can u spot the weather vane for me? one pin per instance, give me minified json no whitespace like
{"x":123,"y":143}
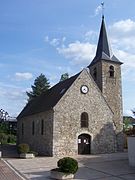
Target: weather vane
{"x":102,"y":4}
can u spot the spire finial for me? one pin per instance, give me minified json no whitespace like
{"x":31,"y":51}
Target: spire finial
{"x":102,"y":4}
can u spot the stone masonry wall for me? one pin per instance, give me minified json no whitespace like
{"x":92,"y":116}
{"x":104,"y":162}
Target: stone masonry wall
{"x":67,"y":113}
{"x":38,"y":142}
{"x":98,"y":80}
{"x":112,"y":91}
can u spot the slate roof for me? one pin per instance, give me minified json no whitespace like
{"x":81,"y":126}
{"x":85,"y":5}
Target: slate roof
{"x":47,"y":100}
{"x":103,"y":48}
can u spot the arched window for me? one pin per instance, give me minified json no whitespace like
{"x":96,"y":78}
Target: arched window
{"x":95,"y":73}
{"x":111,"y":71}
{"x":84,"y":120}
{"x":22,"y":129}
{"x":33,"y":128}
{"x":42,"y":127}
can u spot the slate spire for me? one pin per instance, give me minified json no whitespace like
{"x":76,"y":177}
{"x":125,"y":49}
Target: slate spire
{"x":103,"y":48}
{"x":103,"y":45}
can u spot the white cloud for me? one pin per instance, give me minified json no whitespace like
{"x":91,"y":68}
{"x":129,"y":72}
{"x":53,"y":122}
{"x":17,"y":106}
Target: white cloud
{"x":55,"y":42}
{"x":12,"y":93}
{"x":12,"y":99}
{"x":128,"y":113}
{"x":78,"y":53}
{"x":63,"y":39}
{"x":90,"y":36}
{"x":23,"y":76}
{"x":122,"y":34}
{"x":125,"y":26}
{"x":46,"y":39}
{"x":129,"y":64}
{"x":127,"y":58}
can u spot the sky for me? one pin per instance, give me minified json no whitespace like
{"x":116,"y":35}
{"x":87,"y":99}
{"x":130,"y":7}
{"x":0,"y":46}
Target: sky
{"x":58,"y":36}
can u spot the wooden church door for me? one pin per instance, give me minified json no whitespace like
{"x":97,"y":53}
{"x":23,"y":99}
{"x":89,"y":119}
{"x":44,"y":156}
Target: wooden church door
{"x":84,"y":143}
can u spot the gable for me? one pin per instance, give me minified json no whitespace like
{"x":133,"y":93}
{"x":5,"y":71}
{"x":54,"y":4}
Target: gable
{"x":75,"y":100}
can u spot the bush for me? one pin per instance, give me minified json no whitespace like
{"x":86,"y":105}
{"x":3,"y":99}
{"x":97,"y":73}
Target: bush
{"x":130,"y":132}
{"x":23,"y":148}
{"x":68,"y":165}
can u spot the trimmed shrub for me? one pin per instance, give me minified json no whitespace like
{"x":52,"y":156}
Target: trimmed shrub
{"x":68,"y":165}
{"x":23,"y":148}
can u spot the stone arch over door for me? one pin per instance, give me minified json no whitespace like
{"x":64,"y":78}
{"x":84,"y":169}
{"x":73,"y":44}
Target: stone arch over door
{"x":84,"y":144}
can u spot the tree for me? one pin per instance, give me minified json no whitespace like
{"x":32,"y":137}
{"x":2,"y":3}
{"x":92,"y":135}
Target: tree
{"x":127,"y":123}
{"x":64,"y":77}
{"x":41,"y":85}
{"x":3,"y":115}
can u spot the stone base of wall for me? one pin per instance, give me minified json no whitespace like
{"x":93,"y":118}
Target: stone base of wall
{"x":120,"y":141}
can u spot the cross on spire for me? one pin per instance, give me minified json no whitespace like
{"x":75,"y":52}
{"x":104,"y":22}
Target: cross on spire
{"x":102,"y":4}
{"x":103,"y":47}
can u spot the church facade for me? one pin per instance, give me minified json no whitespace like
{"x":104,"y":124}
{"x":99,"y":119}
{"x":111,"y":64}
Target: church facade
{"x":80,"y":115}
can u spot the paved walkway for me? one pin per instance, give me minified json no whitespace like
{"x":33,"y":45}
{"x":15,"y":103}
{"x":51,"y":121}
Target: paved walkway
{"x":102,"y":167}
{"x":6,"y":173}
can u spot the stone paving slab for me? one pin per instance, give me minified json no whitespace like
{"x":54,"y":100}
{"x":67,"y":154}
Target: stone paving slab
{"x":85,"y":172}
{"x":101,"y":167}
{"x":37,"y":168}
{"x":116,"y":168}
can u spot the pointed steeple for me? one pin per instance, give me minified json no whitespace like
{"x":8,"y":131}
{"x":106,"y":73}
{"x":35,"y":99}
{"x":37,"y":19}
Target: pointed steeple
{"x":103,"y":48}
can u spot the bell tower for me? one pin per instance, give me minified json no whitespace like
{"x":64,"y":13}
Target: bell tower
{"x":106,"y":72}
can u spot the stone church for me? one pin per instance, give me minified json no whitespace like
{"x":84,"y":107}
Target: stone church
{"x":80,"y":115}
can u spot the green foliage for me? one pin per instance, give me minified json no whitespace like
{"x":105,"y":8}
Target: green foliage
{"x":3,"y":138}
{"x":6,"y":135}
{"x":64,"y":77}
{"x":68,"y":165}
{"x":41,"y":84}
{"x":11,"y":138}
{"x":23,"y":148}
{"x":127,"y":123}
{"x":4,"y":127}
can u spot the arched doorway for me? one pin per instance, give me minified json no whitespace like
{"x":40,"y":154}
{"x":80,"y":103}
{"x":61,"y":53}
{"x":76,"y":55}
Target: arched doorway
{"x":84,"y":144}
